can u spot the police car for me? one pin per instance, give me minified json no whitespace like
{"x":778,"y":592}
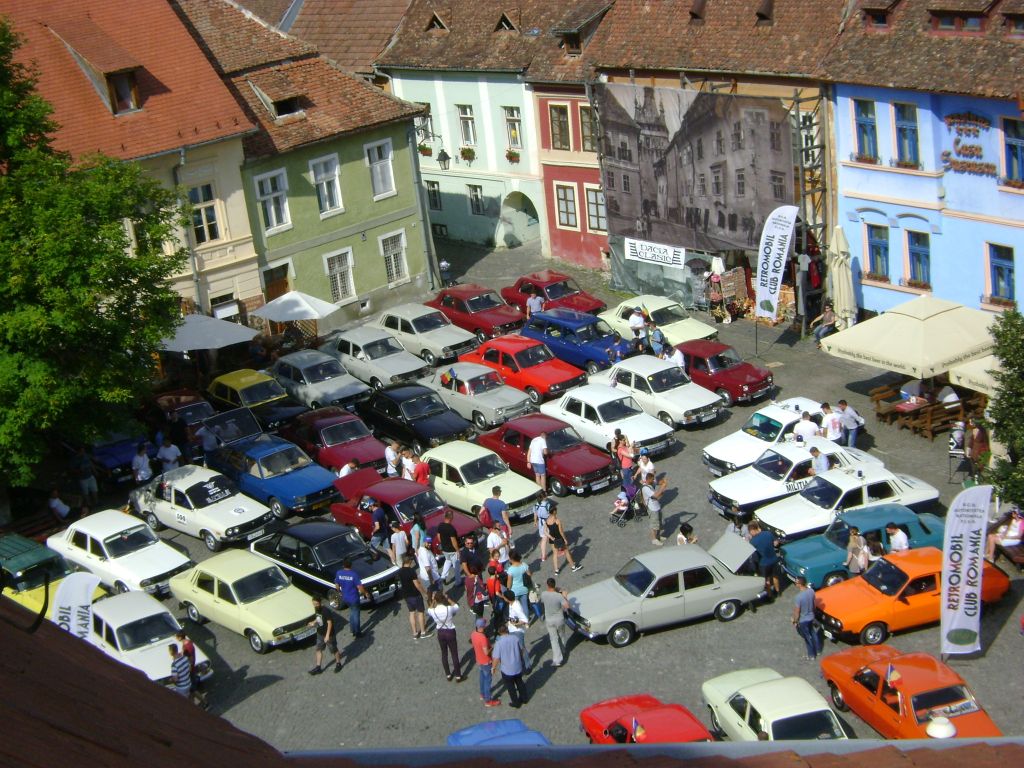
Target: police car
{"x":765,"y":428}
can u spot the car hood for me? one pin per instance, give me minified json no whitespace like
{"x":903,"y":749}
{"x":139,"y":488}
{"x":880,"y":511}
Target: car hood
{"x":687,"y":330}
{"x":281,"y":608}
{"x":794,"y":515}
{"x":639,"y":427}
{"x":154,"y":660}
{"x":813,"y":553}
{"x":364,"y":450}
{"x":440,"y":425}
{"x":551,"y":372}
{"x":299,"y":482}
{"x":579,"y":460}
{"x":370,"y":569}
{"x":739,"y":448}
{"x":596,"y":600}
{"x":235,"y":511}
{"x":498,"y":315}
{"x":849,"y":598}
{"x":746,"y":486}
{"x":398,"y":364}
{"x":502,"y":397}
{"x":118,"y":454}
{"x":464,"y":524}
{"x":731,"y":550}
{"x":514,"y":488}
{"x":282,"y":409}
{"x":744,"y":373}
{"x":448,"y":336}
{"x":580,"y":302}
{"x":154,"y":560}
{"x":689,"y":396}
{"x":338,"y":388}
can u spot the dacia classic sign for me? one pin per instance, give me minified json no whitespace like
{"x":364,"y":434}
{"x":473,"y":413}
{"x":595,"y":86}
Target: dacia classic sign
{"x":655,"y":253}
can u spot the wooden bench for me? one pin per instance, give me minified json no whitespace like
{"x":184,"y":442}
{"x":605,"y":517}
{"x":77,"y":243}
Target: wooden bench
{"x":936,"y":418}
{"x":1014,"y":553}
{"x":884,"y":398}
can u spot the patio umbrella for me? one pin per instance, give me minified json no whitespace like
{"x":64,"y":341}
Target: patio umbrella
{"x":202,"y":332}
{"x":921,"y":338}
{"x":977,"y":375}
{"x":295,"y":305}
{"x":840,"y":275}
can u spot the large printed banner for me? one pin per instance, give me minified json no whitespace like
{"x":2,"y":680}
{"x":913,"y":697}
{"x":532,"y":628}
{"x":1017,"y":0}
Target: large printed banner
{"x":654,"y":253}
{"x":771,"y":259}
{"x":963,"y":561}
{"x":72,"y":605}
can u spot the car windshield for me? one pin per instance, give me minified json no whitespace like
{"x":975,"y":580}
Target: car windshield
{"x":807,"y":727}
{"x":763,"y":427}
{"x":35,"y":576}
{"x":822,"y":493}
{"x":485,"y":383}
{"x":563,"y":440}
{"x":562,"y":288}
{"x":482,"y":469}
{"x":484,"y":301}
{"x":261,"y":392}
{"x":838,"y":533}
{"x":129,"y":540}
{"x":951,"y":701}
{"x":343,"y":432}
{"x":382,"y":348}
{"x":193,"y":413}
{"x":885,"y":577}
{"x":422,"y":405}
{"x":534,"y":355}
{"x":325,"y":371}
{"x":594,"y":332}
{"x":217,"y":488}
{"x":773,"y":465}
{"x":424,"y":503}
{"x":634,"y":578}
{"x":146,"y":631}
{"x":286,"y":460}
{"x":259,"y":584}
{"x":618,"y":409}
{"x":431,"y":322}
{"x":673,"y":313}
{"x":727,"y":358}
{"x":334,"y":550}
{"x":669,"y":378}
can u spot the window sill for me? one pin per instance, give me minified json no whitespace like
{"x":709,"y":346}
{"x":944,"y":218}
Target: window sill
{"x":277,"y":230}
{"x":345,"y":302}
{"x":385,"y":195}
{"x":892,"y":169}
{"x":331,"y":213}
{"x":895,"y":287}
{"x":1010,"y":190}
{"x":403,"y":281}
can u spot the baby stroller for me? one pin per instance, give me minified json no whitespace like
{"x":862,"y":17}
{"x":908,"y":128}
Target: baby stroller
{"x":628,"y":505}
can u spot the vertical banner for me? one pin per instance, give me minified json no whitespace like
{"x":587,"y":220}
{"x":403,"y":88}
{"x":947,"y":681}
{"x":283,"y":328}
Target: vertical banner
{"x":771,"y":258}
{"x":72,"y":605}
{"x":963,"y":552}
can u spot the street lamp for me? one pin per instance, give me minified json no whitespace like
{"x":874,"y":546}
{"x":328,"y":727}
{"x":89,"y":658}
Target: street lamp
{"x":443,"y":159}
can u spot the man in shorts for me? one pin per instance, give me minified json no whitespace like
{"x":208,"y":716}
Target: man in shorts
{"x":412,"y":591}
{"x":652,"y":493}
{"x":323,"y":620}
{"x":537,"y":456}
{"x":768,"y":557}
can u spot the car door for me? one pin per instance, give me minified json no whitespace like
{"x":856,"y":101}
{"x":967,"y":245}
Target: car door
{"x":508,"y":367}
{"x":185,"y":517}
{"x":702,"y":591}
{"x":358,"y":364}
{"x":852,"y":499}
{"x":286,"y":376}
{"x":99,"y":563}
{"x":232,"y":614}
{"x":663,"y":604}
{"x":699,"y":371}
{"x":513,"y":450}
{"x":862,"y":696}
{"x":407,"y":335}
{"x":203,"y":589}
{"x":881,"y":491}
{"x":103,"y":637}
{"x":592,"y":429}
{"x":733,"y":718}
{"x":799,"y":476}
{"x":641,"y":390}
{"x":392,"y":323}
{"x":918,"y":603}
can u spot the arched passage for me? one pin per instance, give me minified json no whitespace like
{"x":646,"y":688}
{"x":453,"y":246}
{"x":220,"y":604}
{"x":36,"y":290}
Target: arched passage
{"x":518,"y":222}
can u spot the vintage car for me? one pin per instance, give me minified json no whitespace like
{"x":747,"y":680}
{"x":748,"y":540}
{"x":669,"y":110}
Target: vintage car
{"x":373,"y":355}
{"x":247,"y":595}
{"x":781,"y":471}
{"x":842,"y":490}
{"x":498,"y":733}
{"x":572,"y":465}
{"x":900,"y":694}
{"x":666,"y":586}
{"x":464,"y":474}
{"x":414,"y":415}
{"x":597,"y":410}
{"x":478,"y":310}
{"x":200,"y":502}
{"x":135,"y":629}
{"x":822,"y":559}
{"x":527,"y":364}
{"x":259,"y":392}
{"x":191,"y":408}
{"x":333,"y":437}
{"x":900,"y":591}
{"x":718,"y":367}
{"x":113,"y":452}
{"x":662,"y":390}
{"x":317,"y":379}
{"x":746,"y":703}
{"x":478,"y":393}
{"x":674,"y":321}
{"x":427,"y":332}
{"x":641,"y":719}
{"x":557,"y":290}
{"x":577,"y":338}
{"x":26,"y":567}
{"x":313,"y":552}
{"x":766,"y":427}
{"x":121,"y":550}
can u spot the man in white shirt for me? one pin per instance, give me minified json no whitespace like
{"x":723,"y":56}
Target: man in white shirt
{"x":496,"y":540}
{"x":805,"y":429}
{"x":408,"y":465}
{"x":169,"y":455}
{"x":637,"y":323}
{"x":349,"y":468}
{"x":897,"y":538}
{"x":518,"y":621}
{"x":819,"y":462}
{"x":851,"y":423}
{"x":392,"y":461}
{"x":536,"y":455}
{"x":58,"y":507}
{"x":831,"y":424}
{"x":429,"y":575}
{"x":676,"y":358}
{"x":534,"y":303}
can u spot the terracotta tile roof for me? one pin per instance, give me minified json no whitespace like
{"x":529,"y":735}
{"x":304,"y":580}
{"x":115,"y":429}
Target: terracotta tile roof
{"x":1015,"y":7}
{"x":183,"y":101}
{"x":271,"y":11}
{"x":94,"y":45}
{"x":960,"y":6}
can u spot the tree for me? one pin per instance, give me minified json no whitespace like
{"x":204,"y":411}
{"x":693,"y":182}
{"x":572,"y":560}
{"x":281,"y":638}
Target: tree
{"x":86,"y":251}
{"x":1006,"y":418}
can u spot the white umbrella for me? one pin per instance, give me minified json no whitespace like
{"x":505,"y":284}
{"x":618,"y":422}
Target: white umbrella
{"x":202,"y":332}
{"x":840,"y":275}
{"x":295,"y":305}
{"x":921,"y":338}
{"x":977,"y":375}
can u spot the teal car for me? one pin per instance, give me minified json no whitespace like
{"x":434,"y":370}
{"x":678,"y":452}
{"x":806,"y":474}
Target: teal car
{"x":821,"y":559}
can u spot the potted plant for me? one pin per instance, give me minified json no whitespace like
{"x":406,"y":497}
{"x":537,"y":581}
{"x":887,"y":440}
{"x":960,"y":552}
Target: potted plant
{"x":468,"y":154}
{"x":1014,"y":183}
{"x":425,"y":149}
{"x":922,"y":285}
{"x":869,"y":159}
{"x":999,"y":301}
{"x":876,"y":277}
{"x":512,"y":155}
{"x":908,"y":164}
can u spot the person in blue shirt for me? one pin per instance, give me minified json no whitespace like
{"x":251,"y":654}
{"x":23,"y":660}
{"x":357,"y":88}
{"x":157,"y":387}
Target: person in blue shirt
{"x":803,"y":618}
{"x":620,"y":349}
{"x":507,"y":658}
{"x":379,"y":532}
{"x":351,"y":588}
{"x":768,"y":563}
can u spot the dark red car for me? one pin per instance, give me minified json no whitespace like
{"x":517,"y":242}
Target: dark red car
{"x":527,"y":365}
{"x":333,"y":436}
{"x":573,"y":465}
{"x":400,"y":500}
{"x":718,"y":367}
{"x":556,"y":289}
{"x":191,"y":408}
{"x":479,"y":310}
{"x":641,"y":719}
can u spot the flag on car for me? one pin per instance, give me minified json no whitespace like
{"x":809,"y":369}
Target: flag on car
{"x":892,"y":677}
{"x":639,"y":733}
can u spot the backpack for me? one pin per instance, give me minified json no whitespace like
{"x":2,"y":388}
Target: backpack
{"x":485,"y":517}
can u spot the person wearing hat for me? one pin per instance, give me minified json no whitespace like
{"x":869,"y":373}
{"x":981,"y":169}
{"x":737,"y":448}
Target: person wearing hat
{"x":482,"y":652}
{"x":429,"y":575}
{"x":644,"y":466}
{"x":827,"y":320}
{"x":637,"y":322}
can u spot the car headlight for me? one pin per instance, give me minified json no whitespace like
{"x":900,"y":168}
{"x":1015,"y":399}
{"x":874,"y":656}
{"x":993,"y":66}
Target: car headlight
{"x":147,"y":583}
{"x":301,"y":500}
{"x":771,"y":379}
{"x":577,"y":479}
{"x":499,"y":411}
{"x":447,"y":351}
{"x":231,"y":531}
{"x":278,"y":631}
{"x":396,"y":379}
{"x":802,"y":570}
{"x":731,"y":467}
{"x":435,"y":441}
{"x":746,"y":388}
{"x":687,"y":414}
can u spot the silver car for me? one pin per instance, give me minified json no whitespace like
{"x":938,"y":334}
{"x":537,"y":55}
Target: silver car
{"x":478,"y":393}
{"x":316,"y":379}
{"x":427,"y":332}
{"x":666,"y":586}
{"x":374,"y":356}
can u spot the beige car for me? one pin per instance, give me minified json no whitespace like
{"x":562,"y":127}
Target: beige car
{"x":478,"y":393}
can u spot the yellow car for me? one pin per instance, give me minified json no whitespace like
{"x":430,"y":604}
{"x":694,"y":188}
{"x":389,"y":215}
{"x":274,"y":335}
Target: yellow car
{"x":248,"y":595}
{"x":260,"y":392}
{"x":25,"y":565}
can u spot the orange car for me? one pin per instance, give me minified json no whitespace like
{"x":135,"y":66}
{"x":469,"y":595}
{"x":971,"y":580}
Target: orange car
{"x":899,"y":694}
{"x":900,"y":591}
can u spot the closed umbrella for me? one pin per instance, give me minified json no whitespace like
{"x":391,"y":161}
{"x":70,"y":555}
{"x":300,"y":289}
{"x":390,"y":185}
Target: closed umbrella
{"x":840,"y":275}
{"x":202,"y":332}
{"x":977,"y":375}
{"x":295,"y":305}
{"x":921,"y":338}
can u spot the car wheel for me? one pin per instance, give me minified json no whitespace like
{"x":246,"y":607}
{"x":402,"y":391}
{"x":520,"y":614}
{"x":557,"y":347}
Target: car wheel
{"x":727,"y":400}
{"x":255,"y":641}
{"x":727,"y":611}
{"x":834,"y":578}
{"x":152,"y":522}
{"x":667,"y":420}
{"x":120,"y":587}
{"x":557,"y":487}
{"x":212,"y":542}
{"x":193,"y":614}
{"x":481,"y":336}
{"x":534,"y":395}
{"x":621,"y":635}
{"x":592,"y":367}
{"x":429,"y":357}
{"x":716,"y":727}
{"x":479,"y":421}
{"x":837,"y":697}
{"x":278,"y":509}
{"x":376,"y":383}
{"x":873,"y":634}
{"x":334,"y":599}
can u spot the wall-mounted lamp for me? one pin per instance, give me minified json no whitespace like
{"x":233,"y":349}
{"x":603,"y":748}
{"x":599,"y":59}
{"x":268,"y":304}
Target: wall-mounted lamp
{"x":444,"y":160}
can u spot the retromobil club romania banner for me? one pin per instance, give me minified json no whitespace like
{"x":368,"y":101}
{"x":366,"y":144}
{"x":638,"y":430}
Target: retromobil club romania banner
{"x":72,"y":605}
{"x":963,"y":552}
{"x":771,"y":258}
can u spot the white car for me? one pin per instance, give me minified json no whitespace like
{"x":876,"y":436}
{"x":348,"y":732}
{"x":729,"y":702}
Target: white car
{"x":843,"y":490}
{"x":749,"y":702}
{"x":779,"y":472}
{"x":374,"y":356}
{"x":478,"y":393}
{"x":597,"y":410}
{"x":202,"y":503}
{"x":674,"y":321}
{"x":766,"y":427}
{"x":464,"y":474}
{"x":663,"y":390}
{"x":121,"y":550}
{"x":426,"y":332}
{"x":135,"y":629}
{"x":317,"y":379}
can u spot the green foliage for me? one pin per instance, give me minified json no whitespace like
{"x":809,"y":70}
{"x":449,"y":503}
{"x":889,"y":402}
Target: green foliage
{"x":1007,"y":417}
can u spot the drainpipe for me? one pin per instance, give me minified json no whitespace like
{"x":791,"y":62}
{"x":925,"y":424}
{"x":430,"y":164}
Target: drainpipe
{"x":428,"y":236}
{"x":193,"y":258}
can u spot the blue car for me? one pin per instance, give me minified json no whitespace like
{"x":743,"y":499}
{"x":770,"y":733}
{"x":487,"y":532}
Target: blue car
{"x":499,"y":733}
{"x":821,"y":559}
{"x":577,"y":338}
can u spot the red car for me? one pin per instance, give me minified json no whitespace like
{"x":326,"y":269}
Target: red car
{"x":333,"y":436}
{"x":400,"y":500}
{"x":573,"y":465}
{"x":527,"y":364}
{"x":191,"y":409}
{"x":718,"y":367}
{"x":556,"y":289}
{"x":479,"y":310}
{"x":641,"y":719}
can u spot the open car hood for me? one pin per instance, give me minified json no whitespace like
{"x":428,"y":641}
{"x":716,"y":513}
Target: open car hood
{"x":731,"y":550}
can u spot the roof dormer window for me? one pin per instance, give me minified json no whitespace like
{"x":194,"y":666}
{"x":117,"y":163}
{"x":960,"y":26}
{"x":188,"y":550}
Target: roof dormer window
{"x":505,"y":24}
{"x":291,"y":105}
{"x":876,"y":20}
{"x":958,"y":23}
{"x":571,"y":44}
{"x":697,"y":11}
{"x":124,"y":93}
{"x":435,"y":23}
{"x":765,"y":13}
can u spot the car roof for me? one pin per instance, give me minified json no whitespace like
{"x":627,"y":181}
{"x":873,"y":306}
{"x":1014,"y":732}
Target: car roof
{"x":188,"y":474}
{"x":261,"y":445}
{"x":233,"y":564}
{"x":465,"y":370}
{"x":566,"y":317}
{"x":783,"y":697}
{"x":533,"y":424}
{"x":106,"y":523}
{"x":243,"y":377}
{"x":392,"y":489}
{"x":798,"y":451}
{"x":361,"y":334}
{"x":702,"y":347}
{"x":513,"y":342}
{"x":305,"y":357}
{"x":402,"y":392}
{"x":329,"y":414}
{"x":918,"y":671}
{"x":18,"y":553}
{"x":466,"y":290}
{"x":546,"y":276}
{"x":129,"y":606}
{"x":673,"y":558}
{"x":458,"y":450}
{"x":316,"y":531}
{"x":597,"y":394}
{"x":878,"y":515}
{"x":649,"y":301}
{"x":848,"y":478}
{"x":645,"y":365}
{"x":917,"y":561}
{"x":796,"y":405}
{"x":409,"y":310}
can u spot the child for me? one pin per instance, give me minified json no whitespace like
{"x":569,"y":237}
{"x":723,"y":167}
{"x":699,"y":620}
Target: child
{"x":686,"y":534}
{"x":621,"y":503}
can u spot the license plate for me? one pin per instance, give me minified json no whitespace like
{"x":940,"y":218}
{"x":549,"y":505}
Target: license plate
{"x":828,"y":634}
{"x":304,"y":634}
{"x":600,"y":484}
{"x":715,"y":470}
{"x":319,"y":505}
{"x":708,"y":417}
{"x":255,"y":535}
{"x":656,"y":447}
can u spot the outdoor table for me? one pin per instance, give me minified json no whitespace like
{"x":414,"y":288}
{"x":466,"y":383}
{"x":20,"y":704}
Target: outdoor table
{"x":906,"y":410}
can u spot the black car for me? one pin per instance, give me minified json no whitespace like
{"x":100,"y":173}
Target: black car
{"x":312,"y":553}
{"x":414,"y":415}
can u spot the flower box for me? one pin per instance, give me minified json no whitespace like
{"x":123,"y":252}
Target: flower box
{"x":869,"y":159}
{"x":1014,"y":183}
{"x":999,"y":301}
{"x":919,"y":284}
{"x":512,"y":156}
{"x":468,"y":154}
{"x":876,"y":277}
{"x":909,"y":164}
{"x":425,"y":150}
